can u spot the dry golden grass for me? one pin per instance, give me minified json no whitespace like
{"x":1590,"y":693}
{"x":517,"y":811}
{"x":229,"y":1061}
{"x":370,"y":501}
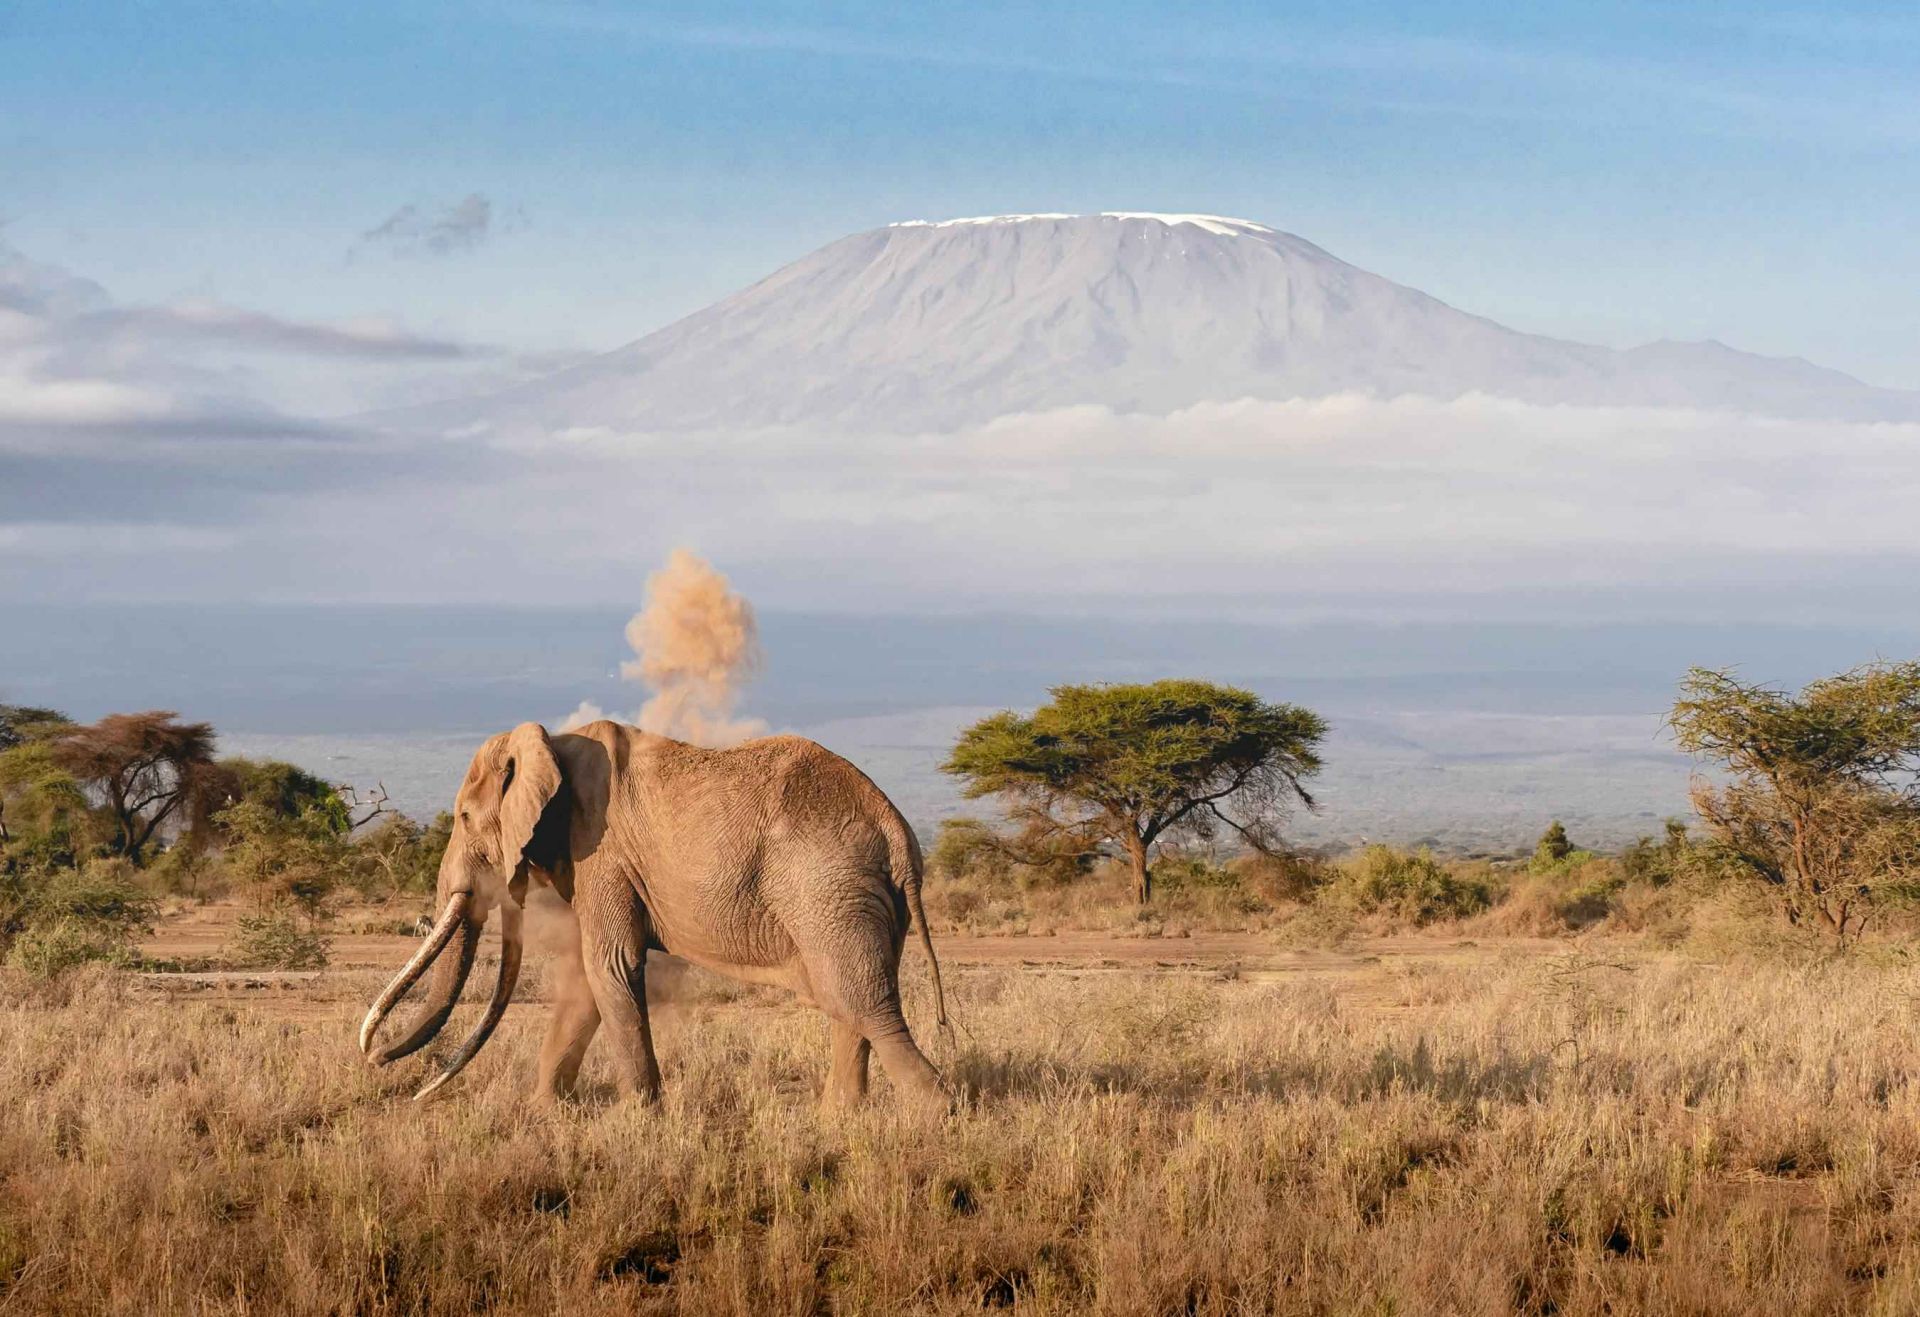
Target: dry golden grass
{"x":1532,"y":1133}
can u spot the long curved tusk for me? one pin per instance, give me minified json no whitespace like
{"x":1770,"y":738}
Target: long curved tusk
{"x":510,"y":948}
{"x":436,"y":942}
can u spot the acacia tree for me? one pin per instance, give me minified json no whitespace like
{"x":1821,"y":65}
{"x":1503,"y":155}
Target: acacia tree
{"x":144,"y":768}
{"x":1130,"y":764}
{"x":1822,"y":801}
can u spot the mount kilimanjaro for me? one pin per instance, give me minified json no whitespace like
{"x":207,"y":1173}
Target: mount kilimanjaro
{"x":934,"y":325}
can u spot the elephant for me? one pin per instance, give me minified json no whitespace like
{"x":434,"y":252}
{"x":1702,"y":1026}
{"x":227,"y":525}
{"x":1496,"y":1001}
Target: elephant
{"x":774,"y":862}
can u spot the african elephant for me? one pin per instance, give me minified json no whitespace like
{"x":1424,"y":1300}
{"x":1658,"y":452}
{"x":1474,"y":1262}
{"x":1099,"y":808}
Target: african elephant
{"x":774,"y":862}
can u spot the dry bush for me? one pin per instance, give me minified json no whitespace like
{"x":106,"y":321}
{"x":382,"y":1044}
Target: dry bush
{"x":1569,"y":897}
{"x":1569,"y":1136}
{"x":972,"y":888}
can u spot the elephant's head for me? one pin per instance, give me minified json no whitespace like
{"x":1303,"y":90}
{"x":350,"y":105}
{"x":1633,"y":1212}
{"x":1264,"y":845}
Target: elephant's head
{"x":512,"y":785}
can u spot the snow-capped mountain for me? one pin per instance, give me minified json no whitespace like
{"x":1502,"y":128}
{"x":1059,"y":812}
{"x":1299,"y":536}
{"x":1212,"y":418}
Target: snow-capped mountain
{"x":935,"y":324}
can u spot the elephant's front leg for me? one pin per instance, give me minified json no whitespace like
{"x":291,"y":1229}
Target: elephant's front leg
{"x":575,"y":1018}
{"x":613,"y":952}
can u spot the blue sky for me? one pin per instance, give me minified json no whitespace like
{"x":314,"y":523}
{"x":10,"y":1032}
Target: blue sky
{"x":1617,"y":173}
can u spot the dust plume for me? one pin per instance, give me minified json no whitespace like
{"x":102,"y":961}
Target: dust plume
{"x":695,"y":646}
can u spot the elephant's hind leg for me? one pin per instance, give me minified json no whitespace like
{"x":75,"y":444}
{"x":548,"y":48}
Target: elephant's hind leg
{"x":854,"y":981}
{"x":847,"y":1082}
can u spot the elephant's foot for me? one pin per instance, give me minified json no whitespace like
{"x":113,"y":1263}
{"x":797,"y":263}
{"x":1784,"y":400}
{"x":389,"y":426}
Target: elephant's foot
{"x":846,"y":1085}
{"x":642,"y":1095}
{"x":918,"y":1083}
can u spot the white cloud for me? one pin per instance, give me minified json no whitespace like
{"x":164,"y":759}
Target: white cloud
{"x":1500,"y":490}
{"x":1343,"y":507}
{"x":61,"y":402}
{"x":78,"y":371}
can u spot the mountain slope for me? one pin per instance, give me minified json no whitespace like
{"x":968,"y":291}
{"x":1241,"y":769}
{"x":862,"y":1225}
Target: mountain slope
{"x":931,"y":325}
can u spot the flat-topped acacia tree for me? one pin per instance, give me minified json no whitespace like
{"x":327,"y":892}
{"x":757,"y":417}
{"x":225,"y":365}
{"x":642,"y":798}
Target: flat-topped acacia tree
{"x":1129,"y":764}
{"x":144,"y":768}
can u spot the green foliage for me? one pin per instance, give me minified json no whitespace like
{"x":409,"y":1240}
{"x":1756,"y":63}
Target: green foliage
{"x":1820,"y":803}
{"x":52,"y":919}
{"x":37,"y":794}
{"x":968,"y":848}
{"x":397,"y":857}
{"x":1411,"y":886}
{"x":282,"y":860}
{"x":1034,"y":857}
{"x":104,"y":893}
{"x":1657,"y":862}
{"x":1861,"y":726}
{"x":281,"y":936}
{"x":1193,"y":871}
{"x":1127,"y":764}
{"x":23,"y":724}
{"x":1553,"y":848}
{"x":282,"y":790}
{"x":46,"y":950}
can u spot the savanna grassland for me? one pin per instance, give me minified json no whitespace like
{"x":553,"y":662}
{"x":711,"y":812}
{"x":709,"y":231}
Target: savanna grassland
{"x":1435,"y":1122}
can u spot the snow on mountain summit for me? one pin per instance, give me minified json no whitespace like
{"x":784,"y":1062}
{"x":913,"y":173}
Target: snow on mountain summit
{"x":1222,"y":225}
{"x":927,"y":325}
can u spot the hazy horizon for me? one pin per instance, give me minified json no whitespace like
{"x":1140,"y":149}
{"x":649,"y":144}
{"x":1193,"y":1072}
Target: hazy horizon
{"x":1469,"y":736}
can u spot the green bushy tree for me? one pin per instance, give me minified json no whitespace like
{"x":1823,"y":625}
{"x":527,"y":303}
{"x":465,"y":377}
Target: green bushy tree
{"x":1129,"y":764}
{"x":1820,"y":801}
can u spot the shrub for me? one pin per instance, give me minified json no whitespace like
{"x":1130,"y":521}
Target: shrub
{"x":58,"y":918}
{"x":967,"y":848}
{"x":1409,"y":886}
{"x":397,"y":857}
{"x":1554,"y":846}
{"x":277,"y":859}
{"x":279,"y":937}
{"x":1176,"y":872}
{"x":47,"y":949}
{"x":1658,"y":863}
{"x":1276,"y":879}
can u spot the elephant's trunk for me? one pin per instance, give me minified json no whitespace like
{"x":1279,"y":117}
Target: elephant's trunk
{"x":449,"y":977}
{"x":510,"y":947}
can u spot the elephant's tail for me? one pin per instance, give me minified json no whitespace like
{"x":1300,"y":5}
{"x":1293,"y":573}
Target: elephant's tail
{"x":908,"y":870}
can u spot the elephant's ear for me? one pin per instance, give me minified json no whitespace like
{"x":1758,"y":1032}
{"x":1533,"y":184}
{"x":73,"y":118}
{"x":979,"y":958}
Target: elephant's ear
{"x":532,"y":779}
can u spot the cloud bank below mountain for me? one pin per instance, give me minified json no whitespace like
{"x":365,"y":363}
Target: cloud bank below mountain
{"x":1340,"y":506}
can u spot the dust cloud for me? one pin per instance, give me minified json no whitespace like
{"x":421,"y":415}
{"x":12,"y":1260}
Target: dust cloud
{"x":696,"y":646}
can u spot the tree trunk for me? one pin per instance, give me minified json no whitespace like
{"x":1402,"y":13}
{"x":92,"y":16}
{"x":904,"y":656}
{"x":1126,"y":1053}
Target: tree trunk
{"x":1137,"y":857}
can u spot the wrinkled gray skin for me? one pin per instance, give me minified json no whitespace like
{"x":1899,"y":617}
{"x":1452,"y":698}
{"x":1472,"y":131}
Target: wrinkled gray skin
{"x":775,"y":862}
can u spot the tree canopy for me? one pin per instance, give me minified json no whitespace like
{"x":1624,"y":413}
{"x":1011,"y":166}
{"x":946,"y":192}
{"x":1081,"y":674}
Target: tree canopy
{"x":21,"y":724}
{"x":1129,"y":764}
{"x":145,"y":768}
{"x":1821,"y":800}
{"x":281,"y":789}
